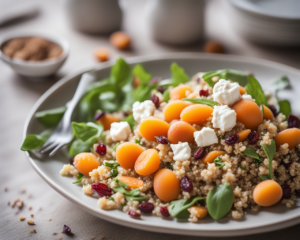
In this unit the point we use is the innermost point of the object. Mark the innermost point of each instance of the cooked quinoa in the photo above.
(240, 171)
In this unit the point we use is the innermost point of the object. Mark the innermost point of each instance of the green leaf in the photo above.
(87, 131)
(166, 95)
(222, 136)
(78, 146)
(142, 74)
(51, 117)
(262, 110)
(179, 208)
(111, 199)
(254, 89)
(201, 101)
(79, 177)
(135, 198)
(130, 195)
(115, 147)
(284, 107)
(263, 177)
(170, 166)
(250, 152)
(241, 167)
(111, 165)
(178, 75)
(120, 73)
(219, 201)
(280, 83)
(130, 121)
(138, 141)
(122, 184)
(270, 151)
(219, 163)
(33, 141)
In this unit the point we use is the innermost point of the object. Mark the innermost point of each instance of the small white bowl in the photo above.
(40, 69)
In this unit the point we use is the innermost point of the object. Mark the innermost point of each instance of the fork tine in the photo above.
(46, 144)
(59, 146)
(49, 147)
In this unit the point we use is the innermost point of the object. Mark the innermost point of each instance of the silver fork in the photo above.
(62, 135)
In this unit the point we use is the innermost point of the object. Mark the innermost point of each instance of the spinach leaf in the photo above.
(178, 75)
(201, 101)
(141, 74)
(87, 131)
(254, 89)
(79, 177)
(270, 151)
(250, 152)
(166, 95)
(130, 121)
(33, 141)
(120, 73)
(219, 200)
(280, 83)
(179, 208)
(79, 146)
(284, 107)
(263, 177)
(51, 117)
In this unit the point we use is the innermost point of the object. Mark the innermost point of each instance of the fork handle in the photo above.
(85, 80)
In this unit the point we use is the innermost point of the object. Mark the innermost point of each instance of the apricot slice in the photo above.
(102, 54)
(106, 120)
(127, 153)
(181, 132)
(173, 109)
(290, 136)
(132, 182)
(268, 113)
(243, 134)
(211, 156)
(153, 127)
(248, 113)
(196, 114)
(242, 90)
(120, 40)
(86, 162)
(199, 211)
(147, 163)
(179, 92)
(267, 193)
(166, 185)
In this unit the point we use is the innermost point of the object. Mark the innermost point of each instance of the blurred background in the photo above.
(82, 35)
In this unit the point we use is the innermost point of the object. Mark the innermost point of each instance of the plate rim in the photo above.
(140, 224)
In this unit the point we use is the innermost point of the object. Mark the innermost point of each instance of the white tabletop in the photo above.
(17, 96)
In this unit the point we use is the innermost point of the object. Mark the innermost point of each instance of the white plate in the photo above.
(268, 219)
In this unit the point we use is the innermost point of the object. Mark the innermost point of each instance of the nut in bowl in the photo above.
(34, 55)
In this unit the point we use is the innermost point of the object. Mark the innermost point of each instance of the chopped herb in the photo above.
(270, 151)
(115, 147)
(166, 95)
(263, 177)
(138, 141)
(223, 136)
(123, 205)
(133, 195)
(263, 110)
(218, 161)
(241, 167)
(80, 177)
(170, 166)
(111, 198)
(111, 165)
(113, 172)
(201, 101)
(122, 184)
(257, 163)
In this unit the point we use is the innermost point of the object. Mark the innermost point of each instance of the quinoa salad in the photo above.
(186, 147)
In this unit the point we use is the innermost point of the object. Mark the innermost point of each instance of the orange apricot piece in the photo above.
(290, 136)
(147, 163)
(136, 82)
(199, 211)
(120, 40)
(268, 113)
(106, 120)
(196, 114)
(181, 132)
(166, 185)
(267, 193)
(86, 162)
(243, 134)
(248, 113)
(173, 109)
(102, 54)
(153, 127)
(242, 90)
(132, 182)
(127, 153)
(179, 92)
(211, 156)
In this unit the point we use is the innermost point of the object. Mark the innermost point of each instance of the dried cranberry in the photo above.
(125, 114)
(99, 115)
(154, 80)
(252, 137)
(66, 229)
(200, 153)
(134, 214)
(286, 191)
(273, 109)
(155, 100)
(186, 184)
(71, 160)
(164, 211)
(146, 207)
(232, 139)
(162, 140)
(161, 89)
(203, 93)
(101, 189)
(293, 121)
(101, 149)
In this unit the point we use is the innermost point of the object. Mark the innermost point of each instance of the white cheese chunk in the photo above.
(223, 118)
(119, 131)
(247, 97)
(141, 110)
(225, 92)
(205, 137)
(182, 151)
